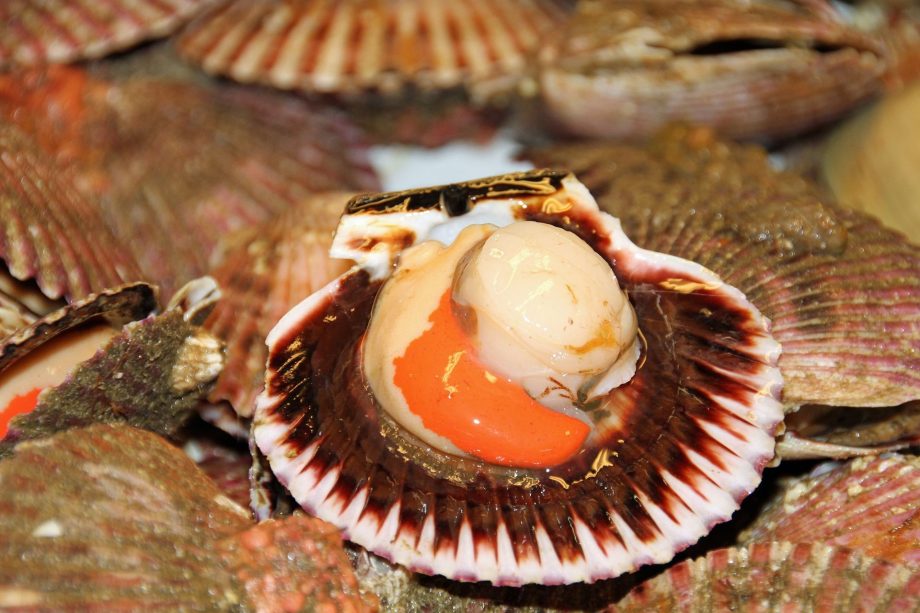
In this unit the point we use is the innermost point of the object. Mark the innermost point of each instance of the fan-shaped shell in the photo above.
(694, 428)
(778, 576)
(870, 504)
(266, 270)
(842, 291)
(144, 529)
(40, 32)
(750, 70)
(339, 46)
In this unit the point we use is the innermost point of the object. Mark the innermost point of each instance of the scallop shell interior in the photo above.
(679, 445)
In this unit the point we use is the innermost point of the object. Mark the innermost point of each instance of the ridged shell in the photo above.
(176, 165)
(624, 69)
(227, 466)
(13, 316)
(50, 233)
(871, 505)
(144, 529)
(266, 270)
(778, 577)
(694, 429)
(49, 32)
(151, 375)
(842, 291)
(343, 46)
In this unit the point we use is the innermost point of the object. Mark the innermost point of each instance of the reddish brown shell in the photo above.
(871, 505)
(693, 428)
(778, 576)
(340, 46)
(144, 529)
(51, 234)
(266, 270)
(843, 292)
(40, 32)
(749, 69)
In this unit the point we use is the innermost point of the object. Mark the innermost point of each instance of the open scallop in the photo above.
(670, 450)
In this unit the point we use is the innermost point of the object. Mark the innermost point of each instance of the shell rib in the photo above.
(842, 291)
(336, 46)
(39, 32)
(693, 429)
(750, 70)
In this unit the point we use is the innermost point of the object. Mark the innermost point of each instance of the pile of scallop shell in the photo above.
(667, 369)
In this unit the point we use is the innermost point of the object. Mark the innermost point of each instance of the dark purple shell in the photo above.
(693, 429)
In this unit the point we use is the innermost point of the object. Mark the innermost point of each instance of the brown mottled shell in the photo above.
(842, 291)
(144, 529)
(150, 375)
(177, 165)
(871, 505)
(39, 32)
(334, 46)
(50, 233)
(694, 427)
(749, 69)
(266, 270)
(778, 576)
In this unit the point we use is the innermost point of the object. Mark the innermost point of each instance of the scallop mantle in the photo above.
(678, 447)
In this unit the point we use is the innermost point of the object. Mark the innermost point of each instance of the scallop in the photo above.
(641, 465)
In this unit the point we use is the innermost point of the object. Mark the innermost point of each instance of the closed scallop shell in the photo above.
(693, 430)
(871, 505)
(144, 529)
(39, 32)
(358, 45)
(778, 576)
(842, 291)
(265, 271)
(623, 70)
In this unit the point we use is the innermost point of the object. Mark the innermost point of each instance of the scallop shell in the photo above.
(144, 529)
(51, 234)
(623, 70)
(225, 464)
(266, 270)
(777, 577)
(151, 375)
(871, 505)
(176, 165)
(843, 292)
(695, 425)
(39, 32)
(333, 47)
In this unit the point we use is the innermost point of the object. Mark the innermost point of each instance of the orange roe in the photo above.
(484, 415)
(19, 405)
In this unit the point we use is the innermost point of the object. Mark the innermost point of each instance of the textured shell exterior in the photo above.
(354, 45)
(144, 529)
(150, 375)
(13, 316)
(778, 576)
(695, 426)
(842, 291)
(750, 70)
(265, 271)
(37, 32)
(870, 504)
(51, 234)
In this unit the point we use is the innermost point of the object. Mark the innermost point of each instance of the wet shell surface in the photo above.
(266, 270)
(150, 374)
(38, 32)
(750, 70)
(870, 504)
(177, 165)
(679, 446)
(52, 235)
(779, 576)
(334, 47)
(842, 291)
(144, 529)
